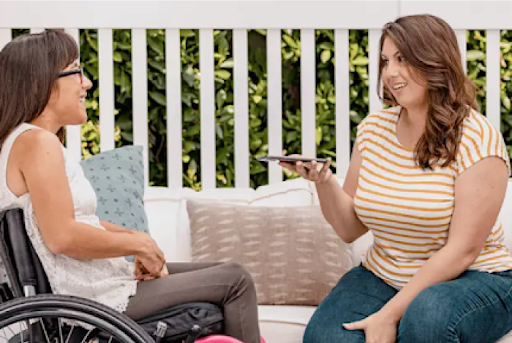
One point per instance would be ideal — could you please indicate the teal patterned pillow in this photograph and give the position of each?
(117, 177)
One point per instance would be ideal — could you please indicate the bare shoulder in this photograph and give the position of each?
(35, 141)
(36, 145)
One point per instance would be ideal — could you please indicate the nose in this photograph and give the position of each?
(86, 83)
(392, 69)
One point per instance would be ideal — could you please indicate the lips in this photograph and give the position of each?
(398, 86)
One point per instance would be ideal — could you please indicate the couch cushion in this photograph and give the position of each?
(284, 324)
(117, 177)
(293, 254)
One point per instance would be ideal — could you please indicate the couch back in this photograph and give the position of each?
(169, 225)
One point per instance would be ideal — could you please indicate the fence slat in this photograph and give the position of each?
(106, 86)
(207, 105)
(140, 96)
(275, 103)
(493, 100)
(461, 40)
(5, 37)
(241, 91)
(342, 80)
(73, 134)
(174, 126)
(36, 29)
(308, 91)
(373, 68)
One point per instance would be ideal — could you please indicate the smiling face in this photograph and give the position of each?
(67, 100)
(406, 86)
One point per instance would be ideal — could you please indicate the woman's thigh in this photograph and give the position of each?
(474, 308)
(358, 294)
(187, 282)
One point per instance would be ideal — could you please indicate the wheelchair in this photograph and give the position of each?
(30, 313)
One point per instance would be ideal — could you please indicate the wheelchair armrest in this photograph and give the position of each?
(27, 266)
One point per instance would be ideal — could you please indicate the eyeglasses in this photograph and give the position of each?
(78, 72)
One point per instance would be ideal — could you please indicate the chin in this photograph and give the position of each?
(76, 121)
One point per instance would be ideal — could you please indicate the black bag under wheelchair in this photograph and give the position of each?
(30, 313)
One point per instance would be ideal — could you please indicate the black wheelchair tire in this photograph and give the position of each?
(72, 307)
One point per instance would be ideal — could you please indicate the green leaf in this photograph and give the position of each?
(325, 56)
(289, 40)
(473, 55)
(326, 46)
(117, 56)
(360, 61)
(156, 45)
(506, 103)
(223, 74)
(227, 64)
(187, 33)
(318, 135)
(158, 97)
(257, 98)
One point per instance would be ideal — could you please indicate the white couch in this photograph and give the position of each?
(168, 223)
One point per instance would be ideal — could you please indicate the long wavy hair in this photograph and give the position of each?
(430, 49)
(29, 66)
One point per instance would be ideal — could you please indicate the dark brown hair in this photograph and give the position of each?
(429, 46)
(29, 66)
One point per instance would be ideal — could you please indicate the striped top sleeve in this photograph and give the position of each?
(480, 139)
(360, 135)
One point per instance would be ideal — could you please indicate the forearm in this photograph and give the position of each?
(447, 264)
(87, 242)
(114, 227)
(338, 209)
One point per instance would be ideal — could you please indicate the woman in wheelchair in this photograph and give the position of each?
(43, 89)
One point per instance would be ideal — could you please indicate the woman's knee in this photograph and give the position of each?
(428, 317)
(316, 333)
(238, 274)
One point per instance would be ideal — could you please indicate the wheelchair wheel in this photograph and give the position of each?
(50, 318)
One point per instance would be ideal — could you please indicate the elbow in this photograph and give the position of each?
(465, 256)
(345, 236)
(60, 246)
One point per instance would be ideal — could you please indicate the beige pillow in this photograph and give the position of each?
(292, 253)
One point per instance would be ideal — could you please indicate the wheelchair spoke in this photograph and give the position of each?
(44, 330)
(70, 332)
(60, 331)
(87, 335)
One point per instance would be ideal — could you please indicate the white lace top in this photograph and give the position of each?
(108, 281)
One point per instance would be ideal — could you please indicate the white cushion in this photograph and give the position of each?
(284, 324)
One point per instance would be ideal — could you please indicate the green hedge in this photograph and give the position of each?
(290, 46)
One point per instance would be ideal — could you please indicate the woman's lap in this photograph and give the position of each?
(476, 307)
(358, 294)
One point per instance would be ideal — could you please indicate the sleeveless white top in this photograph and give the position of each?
(108, 281)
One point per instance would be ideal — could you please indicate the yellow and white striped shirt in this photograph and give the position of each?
(409, 209)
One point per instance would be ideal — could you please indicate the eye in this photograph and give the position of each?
(400, 59)
(384, 61)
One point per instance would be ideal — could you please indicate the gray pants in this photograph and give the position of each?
(227, 285)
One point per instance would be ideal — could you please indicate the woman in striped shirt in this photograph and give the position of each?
(427, 177)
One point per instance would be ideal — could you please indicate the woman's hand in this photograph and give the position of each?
(378, 328)
(311, 171)
(142, 274)
(150, 258)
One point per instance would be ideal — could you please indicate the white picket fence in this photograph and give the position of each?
(240, 16)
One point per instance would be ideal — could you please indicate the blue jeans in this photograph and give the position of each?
(474, 308)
